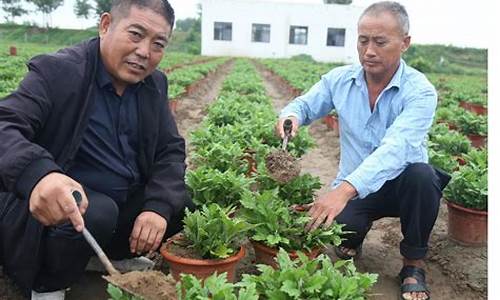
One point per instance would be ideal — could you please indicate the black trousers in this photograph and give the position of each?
(66, 253)
(414, 196)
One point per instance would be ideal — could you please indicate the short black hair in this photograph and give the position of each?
(121, 8)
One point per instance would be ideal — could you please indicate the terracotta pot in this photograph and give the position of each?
(475, 108)
(332, 122)
(266, 255)
(13, 51)
(477, 141)
(201, 268)
(468, 227)
(173, 105)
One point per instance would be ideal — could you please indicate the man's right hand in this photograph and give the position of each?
(52, 202)
(295, 126)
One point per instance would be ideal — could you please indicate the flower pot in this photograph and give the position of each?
(475, 108)
(461, 161)
(332, 122)
(468, 227)
(13, 51)
(201, 268)
(173, 105)
(477, 141)
(266, 255)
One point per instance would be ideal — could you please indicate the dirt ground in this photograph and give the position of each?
(454, 272)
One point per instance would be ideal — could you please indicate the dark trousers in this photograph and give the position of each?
(66, 253)
(414, 196)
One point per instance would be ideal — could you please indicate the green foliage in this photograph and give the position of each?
(316, 279)
(443, 160)
(212, 233)
(118, 294)
(300, 190)
(470, 123)
(276, 225)
(215, 287)
(469, 185)
(450, 142)
(420, 64)
(207, 185)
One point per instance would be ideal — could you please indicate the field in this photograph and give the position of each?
(242, 96)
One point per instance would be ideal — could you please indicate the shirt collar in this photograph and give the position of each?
(358, 75)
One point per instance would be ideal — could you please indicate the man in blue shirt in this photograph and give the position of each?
(385, 110)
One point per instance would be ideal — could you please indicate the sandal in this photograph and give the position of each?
(419, 275)
(343, 255)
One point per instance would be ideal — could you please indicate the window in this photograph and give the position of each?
(335, 37)
(261, 33)
(298, 35)
(223, 31)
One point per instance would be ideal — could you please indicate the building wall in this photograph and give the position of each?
(317, 17)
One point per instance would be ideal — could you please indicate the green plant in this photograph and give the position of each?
(443, 160)
(277, 225)
(300, 190)
(207, 185)
(451, 142)
(118, 294)
(214, 287)
(212, 233)
(310, 279)
(470, 123)
(469, 185)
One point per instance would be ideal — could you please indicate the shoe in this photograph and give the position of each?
(140, 263)
(56, 295)
(419, 275)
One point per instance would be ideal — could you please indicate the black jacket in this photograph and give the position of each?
(41, 128)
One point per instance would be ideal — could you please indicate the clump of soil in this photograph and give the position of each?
(281, 166)
(150, 285)
(180, 247)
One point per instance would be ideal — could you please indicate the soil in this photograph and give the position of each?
(179, 248)
(453, 271)
(150, 285)
(282, 166)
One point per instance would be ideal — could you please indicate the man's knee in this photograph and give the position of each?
(420, 175)
(101, 216)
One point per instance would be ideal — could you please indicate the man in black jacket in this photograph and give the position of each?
(92, 118)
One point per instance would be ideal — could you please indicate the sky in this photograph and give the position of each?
(450, 22)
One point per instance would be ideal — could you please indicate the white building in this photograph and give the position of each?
(268, 29)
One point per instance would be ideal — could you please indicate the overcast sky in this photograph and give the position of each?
(457, 22)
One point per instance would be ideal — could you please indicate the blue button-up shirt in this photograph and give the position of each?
(374, 146)
(107, 160)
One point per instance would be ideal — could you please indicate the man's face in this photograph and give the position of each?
(132, 46)
(380, 44)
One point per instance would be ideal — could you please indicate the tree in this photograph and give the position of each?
(337, 1)
(12, 8)
(84, 9)
(47, 7)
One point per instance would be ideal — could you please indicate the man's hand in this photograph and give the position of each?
(328, 206)
(279, 127)
(148, 232)
(52, 202)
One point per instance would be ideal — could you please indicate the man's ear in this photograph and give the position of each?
(104, 24)
(406, 44)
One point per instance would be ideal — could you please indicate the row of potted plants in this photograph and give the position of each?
(235, 203)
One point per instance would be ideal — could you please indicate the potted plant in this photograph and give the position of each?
(332, 121)
(305, 278)
(467, 200)
(213, 287)
(475, 104)
(211, 242)
(474, 126)
(277, 225)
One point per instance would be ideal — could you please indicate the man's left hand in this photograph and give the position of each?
(148, 232)
(328, 206)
